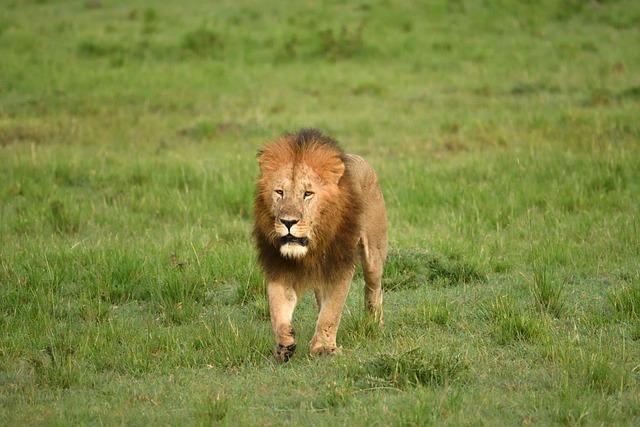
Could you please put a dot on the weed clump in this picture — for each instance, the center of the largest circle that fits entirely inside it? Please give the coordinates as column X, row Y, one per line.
column 547, row 294
column 342, row 44
column 231, row 343
column 415, row 368
column 602, row 376
column 511, row 324
column 328, row 44
column 361, row 327
column 62, row 221
column 25, row 133
column 214, row 410
column 201, row 131
column 202, row 42
column 409, row 269
column 597, row 372
column 335, row 395
column 430, row 407
column 626, row 301
column 117, row 54
column 120, row 276
column 99, row 49
column 250, row 289
column 438, row 312
column 630, row 93
column 56, row 365
column 178, row 296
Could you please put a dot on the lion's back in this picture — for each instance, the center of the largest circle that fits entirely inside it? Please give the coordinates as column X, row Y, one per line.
column 373, row 222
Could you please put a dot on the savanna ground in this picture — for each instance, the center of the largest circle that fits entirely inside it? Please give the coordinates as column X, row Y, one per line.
column 506, row 136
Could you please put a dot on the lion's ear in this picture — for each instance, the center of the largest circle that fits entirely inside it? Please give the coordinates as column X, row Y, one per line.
column 267, row 161
column 261, row 160
column 274, row 156
column 333, row 170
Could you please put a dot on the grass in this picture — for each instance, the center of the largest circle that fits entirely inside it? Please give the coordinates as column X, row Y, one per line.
column 414, row 268
column 506, row 138
column 625, row 301
column 511, row 324
column 414, row 368
column 547, row 294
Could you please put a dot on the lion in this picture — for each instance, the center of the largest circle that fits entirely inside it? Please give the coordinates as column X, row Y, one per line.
column 317, row 210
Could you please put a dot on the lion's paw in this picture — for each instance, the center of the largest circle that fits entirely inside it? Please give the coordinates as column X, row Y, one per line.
column 325, row 351
column 284, row 352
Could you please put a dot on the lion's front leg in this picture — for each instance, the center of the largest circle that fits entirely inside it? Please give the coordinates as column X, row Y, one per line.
column 332, row 298
column 282, row 302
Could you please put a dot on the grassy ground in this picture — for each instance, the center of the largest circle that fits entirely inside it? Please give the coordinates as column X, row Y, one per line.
column 506, row 136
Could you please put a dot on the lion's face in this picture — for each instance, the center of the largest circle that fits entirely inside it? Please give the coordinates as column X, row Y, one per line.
column 299, row 194
column 296, row 196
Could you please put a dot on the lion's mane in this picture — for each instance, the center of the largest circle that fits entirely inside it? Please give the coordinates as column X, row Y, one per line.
column 336, row 226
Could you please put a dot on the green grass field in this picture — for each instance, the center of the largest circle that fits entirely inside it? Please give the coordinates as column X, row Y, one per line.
column 506, row 136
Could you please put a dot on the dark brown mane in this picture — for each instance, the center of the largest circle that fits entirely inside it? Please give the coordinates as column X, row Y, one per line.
column 334, row 254
column 305, row 138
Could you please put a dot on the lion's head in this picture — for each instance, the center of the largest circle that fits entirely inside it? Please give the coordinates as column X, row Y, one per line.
column 303, row 195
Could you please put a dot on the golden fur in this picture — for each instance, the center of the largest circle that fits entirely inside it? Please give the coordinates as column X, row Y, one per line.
column 316, row 210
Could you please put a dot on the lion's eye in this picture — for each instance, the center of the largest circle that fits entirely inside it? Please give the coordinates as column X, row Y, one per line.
column 279, row 192
column 308, row 194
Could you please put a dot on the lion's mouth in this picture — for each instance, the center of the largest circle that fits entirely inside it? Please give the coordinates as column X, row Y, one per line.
column 290, row 238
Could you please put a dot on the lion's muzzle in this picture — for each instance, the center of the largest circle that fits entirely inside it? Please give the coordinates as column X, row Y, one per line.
column 290, row 238
column 293, row 247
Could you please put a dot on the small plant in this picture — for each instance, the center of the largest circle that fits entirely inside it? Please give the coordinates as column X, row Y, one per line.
column 149, row 19
column 61, row 220
column 547, row 294
column 250, row 288
column 511, row 324
column 345, row 43
column 409, row 269
column 335, row 395
column 216, row 409
column 631, row 93
column 598, row 372
column 99, row 49
column 635, row 332
column 570, row 410
column 259, row 308
column 231, row 343
column 601, row 376
column 431, row 407
column 202, row 42
column 414, row 367
column 438, row 312
column 626, row 301
column 120, row 276
column 56, row 365
column 200, row 131
column 361, row 326
column 178, row 296
column 289, row 48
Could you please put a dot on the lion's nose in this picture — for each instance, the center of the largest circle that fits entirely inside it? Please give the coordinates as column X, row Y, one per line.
column 288, row 223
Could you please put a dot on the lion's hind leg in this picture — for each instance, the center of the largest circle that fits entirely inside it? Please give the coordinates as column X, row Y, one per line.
column 373, row 255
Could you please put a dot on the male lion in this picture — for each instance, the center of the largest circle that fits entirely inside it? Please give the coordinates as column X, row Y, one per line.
column 316, row 209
